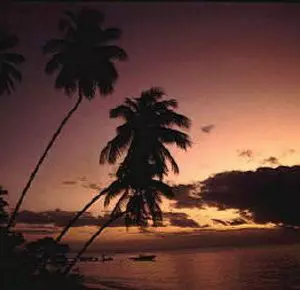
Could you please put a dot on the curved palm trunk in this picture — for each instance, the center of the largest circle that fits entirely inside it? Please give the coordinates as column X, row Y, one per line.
column 90, row 241
column 41, row 160
column 78, row 215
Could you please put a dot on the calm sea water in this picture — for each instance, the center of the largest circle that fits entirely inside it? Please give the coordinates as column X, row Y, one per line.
column 265, row 268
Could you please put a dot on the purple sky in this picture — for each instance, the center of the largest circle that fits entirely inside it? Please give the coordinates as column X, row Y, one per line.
column 234, row 66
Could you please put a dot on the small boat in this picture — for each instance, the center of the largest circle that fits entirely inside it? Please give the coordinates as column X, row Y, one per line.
column 88, row 259
column 105, row 259
column 143, row 258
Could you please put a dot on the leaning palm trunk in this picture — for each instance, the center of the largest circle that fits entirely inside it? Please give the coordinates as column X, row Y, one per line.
column 41, row 160
column 90, row 241
column 79, row 214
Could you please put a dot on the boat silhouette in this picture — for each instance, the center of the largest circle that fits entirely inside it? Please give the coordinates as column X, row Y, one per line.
column 106, row 258
column 143, row 258
column 88, row 259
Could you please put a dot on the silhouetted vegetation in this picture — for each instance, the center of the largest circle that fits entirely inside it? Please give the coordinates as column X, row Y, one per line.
column 148, row 126
column 84, row 59
column 36, row 265
column 8, row 62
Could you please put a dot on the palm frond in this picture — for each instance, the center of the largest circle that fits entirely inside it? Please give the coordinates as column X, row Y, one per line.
column 165, row 104
column 153, row 94
column 105, row 76
column 54, row 45
column 132, row 104
column 122, row 111
column 11, row 71
column 8, row 41
column 14, row 58
column 136, row 213
column 121, row 202
column 111, row 34
column 171, row 118
column 167, row 154
column 6, row 84
column 71, row 16
column 112, row 52
column 114, row 148
column 153, row 207
column 112, row 191
column 54, row 63
column 170, row 136
column 66, row 80
column 162, row 187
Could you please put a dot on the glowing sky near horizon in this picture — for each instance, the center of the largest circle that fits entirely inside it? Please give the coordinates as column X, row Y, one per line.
column 236, row 66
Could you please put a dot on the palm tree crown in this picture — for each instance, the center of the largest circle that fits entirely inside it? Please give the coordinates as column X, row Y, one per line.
column 148, row 126
column 84, row 58
column 8, row 62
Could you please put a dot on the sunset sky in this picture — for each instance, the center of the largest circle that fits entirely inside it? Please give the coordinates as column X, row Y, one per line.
column 233, row 66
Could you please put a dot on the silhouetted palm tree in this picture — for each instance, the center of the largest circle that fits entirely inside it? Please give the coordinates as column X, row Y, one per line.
column 148, row 126
column 140, row 191
column 84, row 59
column 8, row 62
column 138, row 203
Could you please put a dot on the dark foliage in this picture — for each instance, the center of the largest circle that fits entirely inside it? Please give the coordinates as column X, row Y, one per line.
column 9, row 74
column 84, row 58
column 36, row 265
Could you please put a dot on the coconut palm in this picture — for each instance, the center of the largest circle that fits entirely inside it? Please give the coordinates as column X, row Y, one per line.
column 137, row 204
column 148, row 126
column 84, row 62
column 8, row 62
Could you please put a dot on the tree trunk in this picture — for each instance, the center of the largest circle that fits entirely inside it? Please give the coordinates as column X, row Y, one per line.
column 78, row 215
column 90, row 241
column 41, row 160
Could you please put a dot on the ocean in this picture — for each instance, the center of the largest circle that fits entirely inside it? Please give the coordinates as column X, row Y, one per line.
column 264, row 268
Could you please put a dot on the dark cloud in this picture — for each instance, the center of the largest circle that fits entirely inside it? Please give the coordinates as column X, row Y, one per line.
column 237, row 222
column 31, row 217
column 220, row 222
column 69, row 182
column 92, row 186
column 288, row 152
column 180, row 219
column 246, row 153
column 208, row 128
column 265, row 195
column 36, row 231
column 234, row 222
column 272, row 160
column 60, row 218
column 187, row 196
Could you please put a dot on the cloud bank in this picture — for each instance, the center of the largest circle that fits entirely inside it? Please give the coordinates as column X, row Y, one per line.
column 60, row 218
column 267, row 195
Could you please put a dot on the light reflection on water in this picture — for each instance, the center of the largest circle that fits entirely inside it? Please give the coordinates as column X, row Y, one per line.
column 268, row 268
